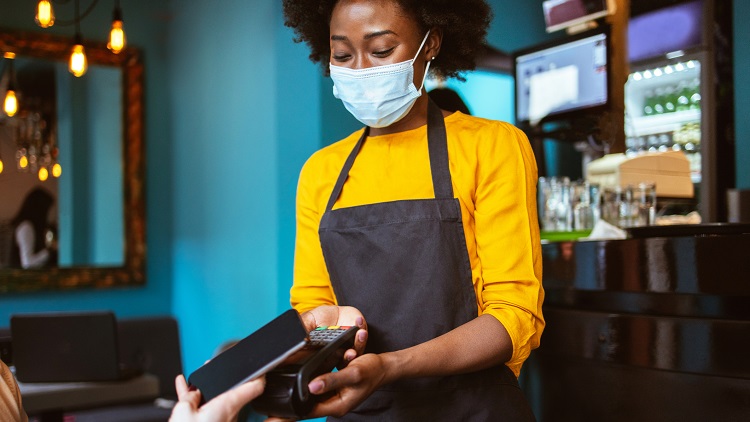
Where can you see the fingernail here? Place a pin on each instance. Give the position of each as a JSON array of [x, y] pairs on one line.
[[362, 335], [360, 321], [315, 386]]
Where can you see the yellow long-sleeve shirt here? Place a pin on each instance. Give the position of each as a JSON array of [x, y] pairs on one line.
[[494, 177]]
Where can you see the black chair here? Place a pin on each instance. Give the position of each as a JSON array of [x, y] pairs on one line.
[[6, 354], [153, 345]]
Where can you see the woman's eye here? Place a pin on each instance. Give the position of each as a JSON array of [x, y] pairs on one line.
[[340, 57], [383, 53]]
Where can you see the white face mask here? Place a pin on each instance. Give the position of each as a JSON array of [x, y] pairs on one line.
[[378, 96]]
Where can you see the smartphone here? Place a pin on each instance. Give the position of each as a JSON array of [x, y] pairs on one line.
[[251, 357]]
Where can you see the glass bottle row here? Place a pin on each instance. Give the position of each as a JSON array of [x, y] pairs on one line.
[[683, 96]]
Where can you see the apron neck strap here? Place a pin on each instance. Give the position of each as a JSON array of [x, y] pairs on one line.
[[437, 142]]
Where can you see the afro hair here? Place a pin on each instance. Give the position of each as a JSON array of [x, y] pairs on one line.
[[464, 24]]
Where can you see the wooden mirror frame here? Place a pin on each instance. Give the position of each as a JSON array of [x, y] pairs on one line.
[[133, 272]]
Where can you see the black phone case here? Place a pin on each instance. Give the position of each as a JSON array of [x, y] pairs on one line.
[[252, 356], [286, 394]]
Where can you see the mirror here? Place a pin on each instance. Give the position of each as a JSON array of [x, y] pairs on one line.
[[79, 268]]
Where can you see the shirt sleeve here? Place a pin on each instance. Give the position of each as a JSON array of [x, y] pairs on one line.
[[312, 286], [10, 397], [507, 236], [25, 240]]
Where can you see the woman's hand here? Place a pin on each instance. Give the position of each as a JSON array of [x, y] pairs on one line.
[[223, 407], [349, 386], [328, 315]]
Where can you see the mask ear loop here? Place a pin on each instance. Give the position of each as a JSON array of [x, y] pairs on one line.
[[421, 45], [427, 69]]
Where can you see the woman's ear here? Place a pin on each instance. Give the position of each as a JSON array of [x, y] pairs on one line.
[[434, 41]]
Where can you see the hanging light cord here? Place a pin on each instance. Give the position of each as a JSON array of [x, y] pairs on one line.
[[78, 18]]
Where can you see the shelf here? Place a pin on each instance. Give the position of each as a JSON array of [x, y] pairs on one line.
[[661, 123]]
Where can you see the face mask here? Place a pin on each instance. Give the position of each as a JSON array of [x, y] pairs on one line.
[[378, 96]]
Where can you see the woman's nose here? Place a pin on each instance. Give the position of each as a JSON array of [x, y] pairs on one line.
[[362, 61]]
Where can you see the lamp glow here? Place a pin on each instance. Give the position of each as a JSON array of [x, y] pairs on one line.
[[56, 170], [10, 105], [116, 37], [78, 62], [43, 174], [45, 16], [23, 162], [1, 166]]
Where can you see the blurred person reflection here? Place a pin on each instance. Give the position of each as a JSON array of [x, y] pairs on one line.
[[33, 243]]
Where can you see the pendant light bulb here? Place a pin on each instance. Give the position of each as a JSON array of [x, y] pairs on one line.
[[10, 105], [23, 162], [45, 16], [43, 174], [78, 63], [56, 170], [1, 165], [116, 34]]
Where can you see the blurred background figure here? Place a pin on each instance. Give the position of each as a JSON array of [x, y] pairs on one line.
[[33, 242], [448, 99]]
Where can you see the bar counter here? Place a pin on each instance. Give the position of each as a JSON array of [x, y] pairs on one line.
[[655, 327]]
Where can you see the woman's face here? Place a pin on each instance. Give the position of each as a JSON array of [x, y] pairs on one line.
[[367, 33]]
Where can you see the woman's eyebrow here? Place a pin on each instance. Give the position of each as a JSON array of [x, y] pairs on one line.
[[379, 33], [369, 36]]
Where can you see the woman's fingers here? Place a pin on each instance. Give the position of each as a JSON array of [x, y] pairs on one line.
[[345, 389], [360, 341]]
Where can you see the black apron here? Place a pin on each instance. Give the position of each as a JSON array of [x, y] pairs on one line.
[[405, 265]]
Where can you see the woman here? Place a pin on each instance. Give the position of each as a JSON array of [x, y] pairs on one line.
[[30, 225], [423, 224]]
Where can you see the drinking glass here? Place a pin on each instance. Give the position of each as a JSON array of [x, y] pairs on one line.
[[644, 202], [584, 205], [557, 206]]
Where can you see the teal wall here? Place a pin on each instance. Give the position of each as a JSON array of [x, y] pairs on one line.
[[245, 116], [742, 91], [233, 109]]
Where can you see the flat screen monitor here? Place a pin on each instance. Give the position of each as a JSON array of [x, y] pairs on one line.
[[561, 14], [567, 76], [665, 30]]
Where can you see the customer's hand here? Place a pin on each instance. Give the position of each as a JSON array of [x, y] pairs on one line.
[[329, 315], [223, 407]]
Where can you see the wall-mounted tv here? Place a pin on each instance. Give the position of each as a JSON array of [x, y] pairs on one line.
[[562, 14], [566, 76], [666, 30]]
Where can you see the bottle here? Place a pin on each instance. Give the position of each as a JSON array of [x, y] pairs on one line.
[[670, 100], [664, 142], [683, 96], [648, 108], [695, 95], [659, 101]]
